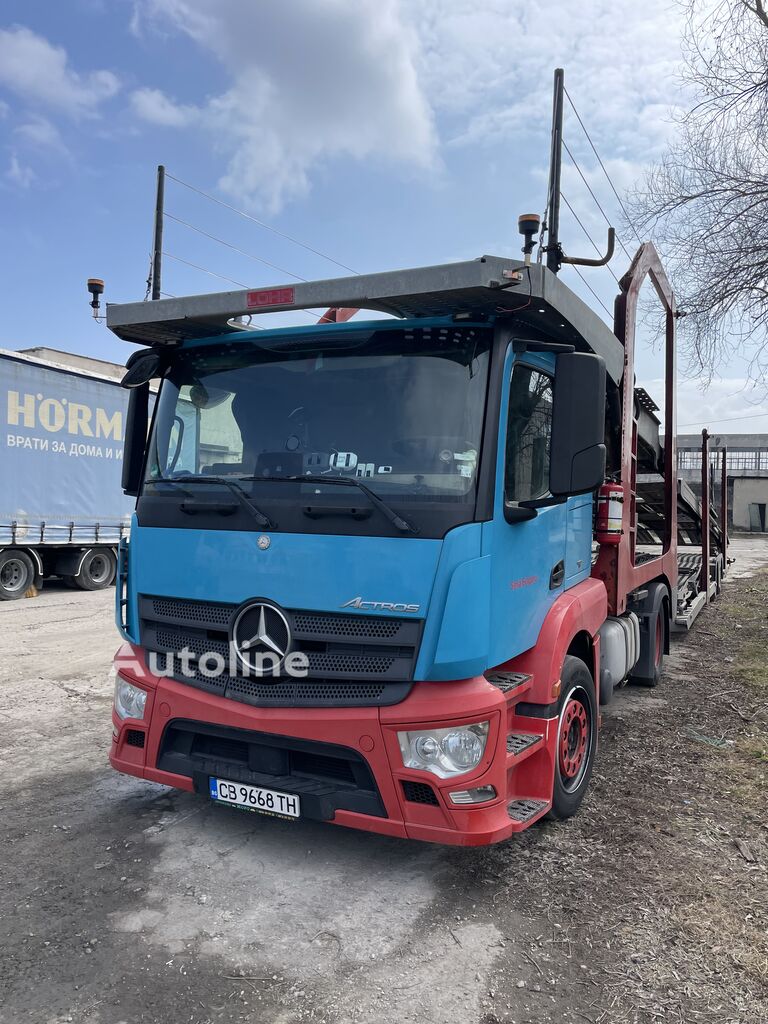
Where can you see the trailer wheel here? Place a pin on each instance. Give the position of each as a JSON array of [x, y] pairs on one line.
[[576, 738], [97, 570], [17, 574]]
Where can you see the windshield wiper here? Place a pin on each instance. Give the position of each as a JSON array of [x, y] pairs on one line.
[[397, 520], [261, 518]]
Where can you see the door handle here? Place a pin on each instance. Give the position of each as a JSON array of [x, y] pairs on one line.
[[557, 576]]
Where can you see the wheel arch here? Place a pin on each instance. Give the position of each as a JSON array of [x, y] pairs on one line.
[[570, 627]]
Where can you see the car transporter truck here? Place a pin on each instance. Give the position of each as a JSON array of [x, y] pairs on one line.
[[383, 573]]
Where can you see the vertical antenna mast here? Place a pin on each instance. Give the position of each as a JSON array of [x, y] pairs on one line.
[[553, 250], [157, 245]]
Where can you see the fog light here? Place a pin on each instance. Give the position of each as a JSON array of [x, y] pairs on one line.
[[130, 700], [445, 752], [481, 795]]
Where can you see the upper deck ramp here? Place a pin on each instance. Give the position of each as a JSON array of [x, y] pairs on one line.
[[488, 286]]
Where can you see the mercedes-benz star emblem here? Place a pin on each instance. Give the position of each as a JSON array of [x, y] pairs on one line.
[[263, 542], [261, 629]]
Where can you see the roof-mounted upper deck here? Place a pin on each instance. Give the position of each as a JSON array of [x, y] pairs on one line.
[[488, 286]]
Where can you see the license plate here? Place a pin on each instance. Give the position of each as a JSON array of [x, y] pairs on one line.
[[254, 798]]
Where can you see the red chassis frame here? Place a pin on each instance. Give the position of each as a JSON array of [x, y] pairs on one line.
[[616, 564]]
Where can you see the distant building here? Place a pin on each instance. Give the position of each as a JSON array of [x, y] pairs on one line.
[[747, 467], [73, 361]]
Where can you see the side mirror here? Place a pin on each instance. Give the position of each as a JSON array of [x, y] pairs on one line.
[[136, 424], [577, 453], [141, 368]]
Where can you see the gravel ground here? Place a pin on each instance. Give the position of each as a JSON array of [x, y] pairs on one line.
[[121, 901]]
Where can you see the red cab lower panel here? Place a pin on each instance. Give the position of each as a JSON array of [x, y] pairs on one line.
[[186, 728]]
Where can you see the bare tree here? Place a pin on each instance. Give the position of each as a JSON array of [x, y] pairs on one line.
[[706, 202]]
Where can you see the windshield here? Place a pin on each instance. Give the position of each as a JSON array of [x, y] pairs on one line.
[[399, 409]]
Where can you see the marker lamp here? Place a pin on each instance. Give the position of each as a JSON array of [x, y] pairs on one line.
[[444, 752], [130, 700], [481, 795]]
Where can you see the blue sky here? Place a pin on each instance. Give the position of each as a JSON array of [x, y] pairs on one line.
[[385, 133]]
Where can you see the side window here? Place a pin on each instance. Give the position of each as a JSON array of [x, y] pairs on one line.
[[529, 432]]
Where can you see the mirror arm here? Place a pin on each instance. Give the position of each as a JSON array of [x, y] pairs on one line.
[[548, 502]]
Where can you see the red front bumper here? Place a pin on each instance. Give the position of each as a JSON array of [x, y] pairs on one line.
[[372, 733]]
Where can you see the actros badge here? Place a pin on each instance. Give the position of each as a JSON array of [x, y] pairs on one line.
[[381, 606]]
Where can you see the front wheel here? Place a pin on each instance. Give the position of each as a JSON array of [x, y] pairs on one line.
[[576, 738]]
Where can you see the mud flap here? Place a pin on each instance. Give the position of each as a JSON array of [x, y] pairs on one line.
[[649, 611]]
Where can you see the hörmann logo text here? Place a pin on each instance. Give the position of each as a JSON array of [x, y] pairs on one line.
[[380, 606], [54, 414]]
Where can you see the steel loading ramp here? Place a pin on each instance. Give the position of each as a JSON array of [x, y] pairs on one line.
[[650, 512], [691, 594]]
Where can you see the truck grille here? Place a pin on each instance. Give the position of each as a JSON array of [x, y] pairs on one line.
[[353, 659]]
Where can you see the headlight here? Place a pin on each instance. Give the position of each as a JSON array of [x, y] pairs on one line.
[[444, 752], [130, 700]]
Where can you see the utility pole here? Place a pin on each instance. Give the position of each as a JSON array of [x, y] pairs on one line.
[[157, 245], [554, 254]]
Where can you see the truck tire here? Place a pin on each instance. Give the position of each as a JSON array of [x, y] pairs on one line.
[[17, 574], [97, 570], [576, 738]]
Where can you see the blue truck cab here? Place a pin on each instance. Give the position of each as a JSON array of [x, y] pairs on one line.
[[359, 579]]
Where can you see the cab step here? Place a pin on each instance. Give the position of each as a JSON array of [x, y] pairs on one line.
[[509, 682], [525, 811], [519, 742]]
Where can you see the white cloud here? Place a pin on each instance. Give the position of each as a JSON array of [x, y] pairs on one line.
[[372, 78], [488, 64], [40, 133], [335, 79], [39, 72], [19, 173], [154, 106]]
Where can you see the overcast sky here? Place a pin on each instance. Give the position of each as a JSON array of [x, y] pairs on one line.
[[382, 133]]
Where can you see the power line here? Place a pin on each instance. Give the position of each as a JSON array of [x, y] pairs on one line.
[[589, 286], [203, 270], [599, 160], [597, 201], [221, 241], [726, 419], [594, 244], [261, 223], [242, 252], [231, 280]]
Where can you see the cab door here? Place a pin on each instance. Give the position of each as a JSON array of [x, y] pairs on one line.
[[528, 546]]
